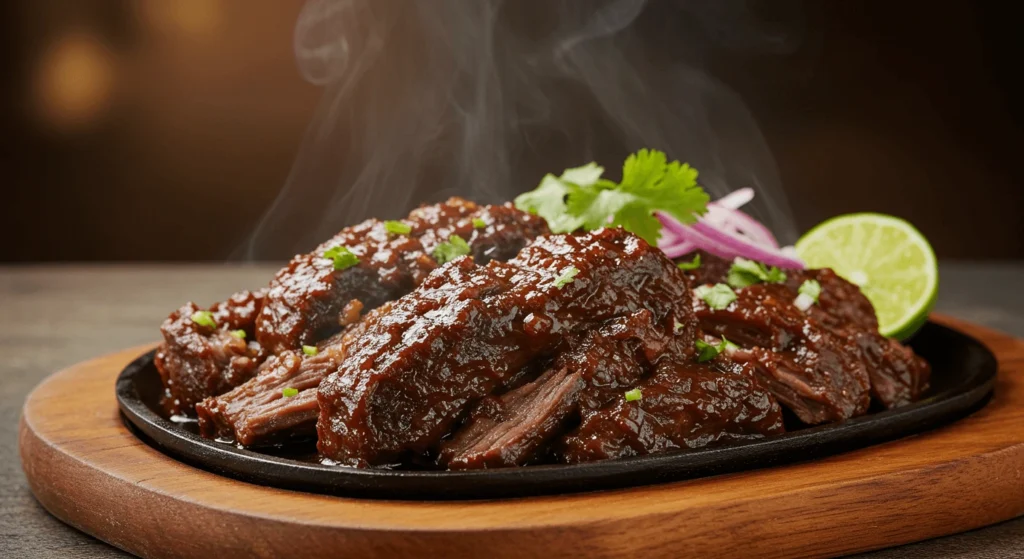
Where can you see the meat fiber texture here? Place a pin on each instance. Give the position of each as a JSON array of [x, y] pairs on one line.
[[470, 331], [826, 363], [309, 301]]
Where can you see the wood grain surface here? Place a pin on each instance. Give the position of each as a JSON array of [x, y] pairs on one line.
[[88, 470]]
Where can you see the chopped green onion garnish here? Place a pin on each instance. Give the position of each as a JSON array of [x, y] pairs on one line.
[[744, 273], [705, 351], [289, 392], [809, 292], [240, 334], [204, 318], [479, 223], [810, 288], [691, 265], [633, 395], [566, 277], [454, 248], [343, 257], [678, 326], [397, 227], [717, 297], [310, 349]]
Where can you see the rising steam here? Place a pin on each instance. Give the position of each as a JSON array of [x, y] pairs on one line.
[[428, 99]]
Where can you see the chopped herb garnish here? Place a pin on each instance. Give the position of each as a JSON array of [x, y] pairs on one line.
[[240, 334], [650, 183], [397, 227], [707, 352], [343, 257], [633, 395], [691, 265], [479, 223], [678, 326], [809, 292], [566, 277], [310, 350], [454, 248], [289, 392], [744, 273], [717, 297], [204, 318]]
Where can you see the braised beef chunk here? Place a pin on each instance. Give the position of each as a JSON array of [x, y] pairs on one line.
[[258, 413], [306, 297], [842, 301], [681, 406], [201, 360], [468, 331], [509, 431], [898, 376], [817, 373], [597, 368]]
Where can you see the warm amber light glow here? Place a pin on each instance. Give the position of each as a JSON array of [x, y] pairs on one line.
[[74, 81], [190, 17]]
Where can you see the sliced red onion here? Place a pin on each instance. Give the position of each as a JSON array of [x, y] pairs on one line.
[[678, 249], [738, 222], [697, 239], [746, 248], [723, 244], [727, 233], [735, 199]]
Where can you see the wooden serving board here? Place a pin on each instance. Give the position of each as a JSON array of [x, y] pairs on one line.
[[87, 469]]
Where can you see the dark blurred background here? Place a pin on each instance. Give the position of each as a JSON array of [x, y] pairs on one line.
[[164, 129]]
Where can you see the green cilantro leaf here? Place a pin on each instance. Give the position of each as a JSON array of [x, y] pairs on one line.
[[479, 223], [204, 318], [744, 273], [650, 183], [454, 248], [691, 265], [240, 334], [548, 199], [310, 350], [634, 395], [705, 351], [397, 227], [343, 257], [566, 277], [716, 297], [289, 392]]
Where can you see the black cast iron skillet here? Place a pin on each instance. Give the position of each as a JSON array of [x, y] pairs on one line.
[[963, 374]]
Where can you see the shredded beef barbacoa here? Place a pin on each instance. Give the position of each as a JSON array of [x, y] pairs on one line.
[[522, 351]]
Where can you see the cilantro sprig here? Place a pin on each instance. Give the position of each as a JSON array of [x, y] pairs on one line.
[[744, 273], [581, 198], [717, 297], [454, 248]]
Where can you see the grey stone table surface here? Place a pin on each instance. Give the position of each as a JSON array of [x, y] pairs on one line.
[[54, 316]]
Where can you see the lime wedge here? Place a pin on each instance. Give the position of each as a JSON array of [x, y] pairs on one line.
[[887, 257]]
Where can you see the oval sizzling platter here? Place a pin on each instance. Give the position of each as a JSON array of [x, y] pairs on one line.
[[963, 374]]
